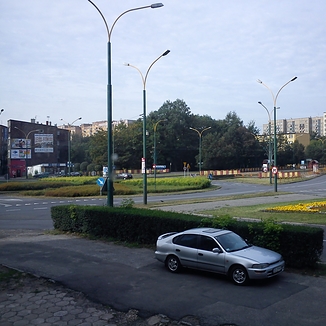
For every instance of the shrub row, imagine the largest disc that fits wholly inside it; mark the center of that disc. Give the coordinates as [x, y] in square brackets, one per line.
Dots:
[300, 246]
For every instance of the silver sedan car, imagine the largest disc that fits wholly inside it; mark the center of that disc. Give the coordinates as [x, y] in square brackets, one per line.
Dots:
[219, 251]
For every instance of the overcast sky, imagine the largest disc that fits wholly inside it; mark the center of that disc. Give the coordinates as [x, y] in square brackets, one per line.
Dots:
[54, 58]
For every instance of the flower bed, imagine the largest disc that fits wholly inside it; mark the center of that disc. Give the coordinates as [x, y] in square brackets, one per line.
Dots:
[312, 207]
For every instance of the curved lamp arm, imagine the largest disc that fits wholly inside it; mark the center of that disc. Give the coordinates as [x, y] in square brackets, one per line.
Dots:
[144, 79]
[155, 5]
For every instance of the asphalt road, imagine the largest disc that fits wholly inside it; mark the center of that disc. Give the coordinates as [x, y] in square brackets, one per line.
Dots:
[125, 278]
[26, 212]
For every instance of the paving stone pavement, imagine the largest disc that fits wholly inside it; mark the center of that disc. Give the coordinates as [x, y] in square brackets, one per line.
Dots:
[29, 300]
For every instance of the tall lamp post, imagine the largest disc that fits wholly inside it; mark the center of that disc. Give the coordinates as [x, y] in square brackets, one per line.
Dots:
[144, 79]
[155, 157]
[109, 96]
[275, 140]
[26, 141]
[200, 134]
[69, 142]
[269, 141]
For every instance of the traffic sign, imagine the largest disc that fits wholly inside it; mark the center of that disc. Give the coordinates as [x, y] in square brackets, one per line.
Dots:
[274, 170]
[100, 182]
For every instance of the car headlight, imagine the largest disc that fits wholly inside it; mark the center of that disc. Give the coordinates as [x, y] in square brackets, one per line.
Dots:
[260, 266]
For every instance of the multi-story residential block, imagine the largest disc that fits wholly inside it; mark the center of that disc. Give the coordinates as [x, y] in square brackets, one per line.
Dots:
[36, 144]
[89, 129]
[307, 125]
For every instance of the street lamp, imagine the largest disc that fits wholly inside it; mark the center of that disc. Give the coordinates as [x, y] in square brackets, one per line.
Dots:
[200, 133]
[26, 143]
[155, 158]
[269, 141]
[109, 97]
[69, 143]
[1, 110]
[144, 79]
[275, 140]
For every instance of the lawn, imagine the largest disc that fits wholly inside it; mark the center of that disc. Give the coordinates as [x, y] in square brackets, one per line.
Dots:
[261, 212]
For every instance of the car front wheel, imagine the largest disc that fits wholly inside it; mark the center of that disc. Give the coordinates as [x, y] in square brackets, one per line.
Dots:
[239, 275]
[173, 264]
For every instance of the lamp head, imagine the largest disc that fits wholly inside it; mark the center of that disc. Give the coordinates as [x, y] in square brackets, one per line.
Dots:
[259, 81]
[294, 78]
[166, 53]
[260, 103]
[157, 5]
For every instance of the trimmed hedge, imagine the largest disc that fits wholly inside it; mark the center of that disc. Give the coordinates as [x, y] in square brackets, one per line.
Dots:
[301, 246]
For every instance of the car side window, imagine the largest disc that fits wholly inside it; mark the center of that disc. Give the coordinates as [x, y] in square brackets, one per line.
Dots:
[207, 243]
[186, 240]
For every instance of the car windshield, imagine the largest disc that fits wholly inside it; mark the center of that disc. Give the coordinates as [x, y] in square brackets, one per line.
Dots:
[231, 242]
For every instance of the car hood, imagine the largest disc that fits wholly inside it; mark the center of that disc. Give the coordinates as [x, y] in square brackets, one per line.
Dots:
[258, 254]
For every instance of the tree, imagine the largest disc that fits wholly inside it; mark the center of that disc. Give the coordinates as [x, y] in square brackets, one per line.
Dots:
[98, 148]
[128, 145]
[80, 149]
[173, 135]
[316, 150]
[298, 152]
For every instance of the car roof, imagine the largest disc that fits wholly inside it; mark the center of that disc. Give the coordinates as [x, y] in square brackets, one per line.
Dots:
[207, 231]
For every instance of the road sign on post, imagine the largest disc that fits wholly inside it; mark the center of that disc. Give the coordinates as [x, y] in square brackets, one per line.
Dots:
[274, 170]
[101, 182]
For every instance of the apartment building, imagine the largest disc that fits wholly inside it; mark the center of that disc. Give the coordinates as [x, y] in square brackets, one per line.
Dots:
[89, 129]
[33, 143]
[307, 125]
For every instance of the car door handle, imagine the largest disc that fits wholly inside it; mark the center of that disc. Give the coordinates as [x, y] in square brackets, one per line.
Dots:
[178, 250]
[200, 254]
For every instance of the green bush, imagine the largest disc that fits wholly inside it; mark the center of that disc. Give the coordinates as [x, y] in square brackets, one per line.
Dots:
[301, 246]
[125, 224]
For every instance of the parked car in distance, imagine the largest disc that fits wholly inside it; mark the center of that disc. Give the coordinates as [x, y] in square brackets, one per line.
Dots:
[219, 251]
[41, 175]
[124, 176]
[75, 174]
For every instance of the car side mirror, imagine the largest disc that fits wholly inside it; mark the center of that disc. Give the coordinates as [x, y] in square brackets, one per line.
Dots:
[217, 250]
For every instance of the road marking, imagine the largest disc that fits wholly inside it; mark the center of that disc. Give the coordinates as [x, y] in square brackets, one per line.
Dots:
[5, 205]
[41, 208]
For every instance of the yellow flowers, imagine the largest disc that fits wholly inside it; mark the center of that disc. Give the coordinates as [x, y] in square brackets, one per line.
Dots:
[313, 207]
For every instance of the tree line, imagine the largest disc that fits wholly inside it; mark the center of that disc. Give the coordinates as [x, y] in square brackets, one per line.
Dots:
[225, 144]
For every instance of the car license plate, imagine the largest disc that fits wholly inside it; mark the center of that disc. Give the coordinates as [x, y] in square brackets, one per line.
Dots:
[277, 269]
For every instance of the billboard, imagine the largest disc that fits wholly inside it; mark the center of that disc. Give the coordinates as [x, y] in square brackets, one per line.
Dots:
[20, 143]
[43, 143]
[20, 153]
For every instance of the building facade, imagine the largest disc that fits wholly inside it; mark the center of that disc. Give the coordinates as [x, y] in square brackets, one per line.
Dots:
[89, 129]
[36, 144]
[3, 149]
[308, 125]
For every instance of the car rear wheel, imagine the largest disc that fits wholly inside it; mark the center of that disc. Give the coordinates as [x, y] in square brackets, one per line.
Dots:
[173, 264]
[239, 275]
